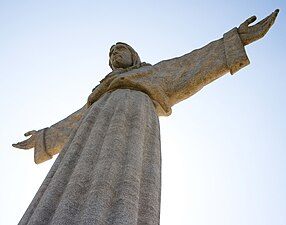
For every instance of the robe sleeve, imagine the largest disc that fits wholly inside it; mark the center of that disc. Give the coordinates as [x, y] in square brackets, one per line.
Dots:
[184, 76]
[50, 141]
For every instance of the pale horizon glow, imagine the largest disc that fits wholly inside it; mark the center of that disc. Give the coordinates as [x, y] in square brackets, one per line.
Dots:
[223, 149]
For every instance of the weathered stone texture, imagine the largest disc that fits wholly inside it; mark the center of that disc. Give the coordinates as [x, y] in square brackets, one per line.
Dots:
[109, 167]
[109, 171]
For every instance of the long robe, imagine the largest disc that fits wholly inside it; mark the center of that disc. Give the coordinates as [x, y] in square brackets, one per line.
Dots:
[109, 167]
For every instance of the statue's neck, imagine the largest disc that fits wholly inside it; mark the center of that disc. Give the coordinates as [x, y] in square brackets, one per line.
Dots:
[120, 70]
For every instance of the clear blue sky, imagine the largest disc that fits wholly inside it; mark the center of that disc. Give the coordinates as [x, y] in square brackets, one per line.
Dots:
[223, 150]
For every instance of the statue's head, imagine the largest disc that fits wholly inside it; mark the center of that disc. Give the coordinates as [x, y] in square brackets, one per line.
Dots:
[122, 55]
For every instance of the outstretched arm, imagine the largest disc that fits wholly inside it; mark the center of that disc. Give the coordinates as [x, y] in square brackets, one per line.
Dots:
[49, 141]
[184, 76]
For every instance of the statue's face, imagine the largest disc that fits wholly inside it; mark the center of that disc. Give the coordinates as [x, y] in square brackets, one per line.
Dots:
[120, 56]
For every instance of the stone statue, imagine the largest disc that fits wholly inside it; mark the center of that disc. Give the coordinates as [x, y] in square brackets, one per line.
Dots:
[109, 167]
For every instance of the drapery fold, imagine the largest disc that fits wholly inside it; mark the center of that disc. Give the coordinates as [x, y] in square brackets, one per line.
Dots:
[109, 172]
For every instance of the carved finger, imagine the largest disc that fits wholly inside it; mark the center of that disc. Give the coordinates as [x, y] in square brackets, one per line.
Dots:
[272, 18]
[244, 26]
[32, 132]
[264, 25]
[264, 22]
[27, 144]
[276, 12]
[269, 20]
[250, 20]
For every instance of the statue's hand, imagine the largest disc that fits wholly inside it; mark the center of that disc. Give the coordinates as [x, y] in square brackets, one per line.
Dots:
[249, 34]
[90, 100]
[29, 143]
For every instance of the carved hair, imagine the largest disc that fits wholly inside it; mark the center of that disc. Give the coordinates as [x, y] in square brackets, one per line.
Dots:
[135, 57]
